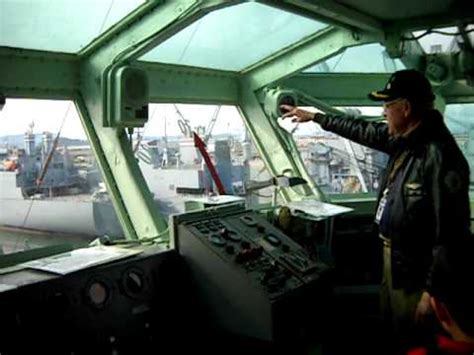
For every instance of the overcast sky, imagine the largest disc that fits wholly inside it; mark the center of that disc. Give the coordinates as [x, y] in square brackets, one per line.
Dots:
[48, 115]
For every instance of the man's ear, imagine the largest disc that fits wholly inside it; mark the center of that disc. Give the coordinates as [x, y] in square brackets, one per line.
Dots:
[407, 108]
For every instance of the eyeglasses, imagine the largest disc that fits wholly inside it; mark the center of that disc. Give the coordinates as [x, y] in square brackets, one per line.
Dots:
[389, 104]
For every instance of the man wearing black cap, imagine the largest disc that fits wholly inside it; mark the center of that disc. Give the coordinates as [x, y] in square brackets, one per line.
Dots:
[423, 201]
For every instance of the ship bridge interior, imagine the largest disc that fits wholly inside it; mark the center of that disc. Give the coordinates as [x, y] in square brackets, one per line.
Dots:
[291, 271]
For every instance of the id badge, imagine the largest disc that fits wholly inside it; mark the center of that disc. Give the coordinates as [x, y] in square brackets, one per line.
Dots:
[381, 207]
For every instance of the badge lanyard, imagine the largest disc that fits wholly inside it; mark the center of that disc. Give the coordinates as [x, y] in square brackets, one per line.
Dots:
[393, 173]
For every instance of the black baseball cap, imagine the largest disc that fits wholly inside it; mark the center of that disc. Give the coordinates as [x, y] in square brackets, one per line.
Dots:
[409, 84]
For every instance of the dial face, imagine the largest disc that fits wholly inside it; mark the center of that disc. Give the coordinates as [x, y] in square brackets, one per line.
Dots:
[98, 293]
[134, 282]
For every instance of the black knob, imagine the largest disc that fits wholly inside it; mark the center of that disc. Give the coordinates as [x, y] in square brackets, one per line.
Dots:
[285, 100]
[230, 234]
[230, 249]
[285, 248]
[272, 239]
[258, 252]
[260, 229]
[216, 239]
[240, 258]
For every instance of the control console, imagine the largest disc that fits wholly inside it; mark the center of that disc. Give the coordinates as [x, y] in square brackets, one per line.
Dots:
[251, 277]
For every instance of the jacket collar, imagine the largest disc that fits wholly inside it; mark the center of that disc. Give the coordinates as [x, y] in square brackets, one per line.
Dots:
[430, 125]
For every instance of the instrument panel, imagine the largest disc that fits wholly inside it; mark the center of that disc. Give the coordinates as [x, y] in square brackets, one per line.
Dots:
[231, 273]
[251, 277]
[106, 309]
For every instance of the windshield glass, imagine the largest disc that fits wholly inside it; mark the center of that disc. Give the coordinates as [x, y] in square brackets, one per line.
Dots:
[217, 40]
[176, 170]
[51, 191]
[336, 164]
[59, 25]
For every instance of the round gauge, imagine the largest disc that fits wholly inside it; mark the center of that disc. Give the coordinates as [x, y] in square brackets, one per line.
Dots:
[97, 293]
[133, 282]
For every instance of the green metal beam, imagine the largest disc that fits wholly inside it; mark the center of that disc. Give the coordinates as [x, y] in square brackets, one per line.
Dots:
[410, 52]
[338, 89]
[347, 89]
[275, 148]
[330, 12]
[106, 170]
[29, 73]
[184, 84]
[458, 92]
[318, 47]
[465, 14]
[132, 199]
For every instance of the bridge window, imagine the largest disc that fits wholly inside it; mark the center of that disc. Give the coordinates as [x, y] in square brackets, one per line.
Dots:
[176, 171]
[51, 191]
[458, 118]
[234, 37]
[368, 58]
[338, 165]
[58, 25]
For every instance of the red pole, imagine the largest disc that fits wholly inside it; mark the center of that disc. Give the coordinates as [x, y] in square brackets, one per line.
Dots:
[199, 144]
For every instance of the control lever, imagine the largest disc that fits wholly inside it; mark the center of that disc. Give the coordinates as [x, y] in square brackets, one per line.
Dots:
[280, 181]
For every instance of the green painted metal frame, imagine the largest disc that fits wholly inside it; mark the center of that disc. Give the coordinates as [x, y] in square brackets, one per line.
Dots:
[28, 73]
[461, 15]
[275, 145]
[100, 152]
[330, 12]
[279, 155]
[175, 83]
[149, 26]
[339, 14]
[318, 47]
[338, 89]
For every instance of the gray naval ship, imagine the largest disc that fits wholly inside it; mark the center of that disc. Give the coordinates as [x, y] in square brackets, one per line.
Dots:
[47, 187]
[42, 188]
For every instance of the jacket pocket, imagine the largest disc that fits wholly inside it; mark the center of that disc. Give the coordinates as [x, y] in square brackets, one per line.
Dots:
[415, 200]
[413, 189]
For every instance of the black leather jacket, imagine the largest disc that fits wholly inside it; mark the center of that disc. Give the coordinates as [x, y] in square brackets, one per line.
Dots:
[430, 206]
